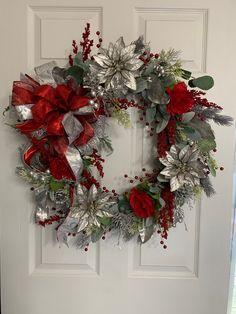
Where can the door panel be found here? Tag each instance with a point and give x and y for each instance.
(192, 275)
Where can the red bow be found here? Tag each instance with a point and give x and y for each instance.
(49, 106)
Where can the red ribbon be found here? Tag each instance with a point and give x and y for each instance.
(49, 107)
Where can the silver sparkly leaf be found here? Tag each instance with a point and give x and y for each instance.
(146, 232)
(183, 166)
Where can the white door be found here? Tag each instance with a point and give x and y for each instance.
(192, 275)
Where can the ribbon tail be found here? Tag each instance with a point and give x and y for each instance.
(75, 161)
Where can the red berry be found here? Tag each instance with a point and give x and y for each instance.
(126, 176)
(113, 191)
(32, 188)
(144, 53)
(104, 188)
(151, 55)
(98, 33)
(86, 249)
(214, 150)
(164, 246)
(148, 59)
(136, 177)
(222, 168)
(143, 169)
(156, 55)
(147, 124)
(131, 181)
(103, 237)
(162, 242)
(158, 231)
(98, 46)
(100, 40)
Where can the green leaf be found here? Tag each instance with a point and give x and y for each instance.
(202, 127)
(186, 74)
(76, 72)
(204, 82)
(150, 114)
(187, 117)
(56, 185)
(162, 125)
(141, 85)
(96, 235)
(148, 70)
(212, 165)
(78, 60)
(156, 93)
(206, 144)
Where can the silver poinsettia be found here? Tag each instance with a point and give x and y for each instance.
(183, 166)
(117, 65)
(90, 206)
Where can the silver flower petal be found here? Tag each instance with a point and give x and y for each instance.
(183, 167)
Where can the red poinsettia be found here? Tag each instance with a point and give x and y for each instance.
(141, 203)
(181, 100)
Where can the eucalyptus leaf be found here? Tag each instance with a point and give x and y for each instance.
(150, 114)
(96, 235)
(188, 116)
(204, 82)
(202, 127)
(141, 85)
(148, 70)
(162, 125)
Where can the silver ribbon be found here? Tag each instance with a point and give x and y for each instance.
(75, 161)
(42, 209)
(72, 126)
(44, 73)
(24, 111)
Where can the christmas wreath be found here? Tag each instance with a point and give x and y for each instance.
(63, 114)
